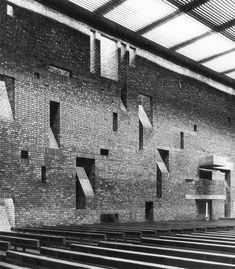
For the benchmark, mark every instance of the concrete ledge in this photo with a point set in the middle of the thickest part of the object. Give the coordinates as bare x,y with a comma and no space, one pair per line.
205,197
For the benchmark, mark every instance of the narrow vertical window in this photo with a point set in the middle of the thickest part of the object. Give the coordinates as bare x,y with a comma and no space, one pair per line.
43,174
109,58
141,136
115,122
195,128
94,53
182,140
159,183
124,94
55,120
132,57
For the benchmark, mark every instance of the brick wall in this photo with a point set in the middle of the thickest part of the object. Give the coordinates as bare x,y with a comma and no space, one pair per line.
125,179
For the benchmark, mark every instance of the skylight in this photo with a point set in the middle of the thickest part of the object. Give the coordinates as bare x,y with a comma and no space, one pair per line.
222,63
232,74
183,2
176,30
91,5
136,14
207,46
217,11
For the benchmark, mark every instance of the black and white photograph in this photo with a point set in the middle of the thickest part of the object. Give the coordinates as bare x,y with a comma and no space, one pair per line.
117,134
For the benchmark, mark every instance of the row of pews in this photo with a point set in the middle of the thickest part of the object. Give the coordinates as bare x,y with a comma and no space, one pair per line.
118,246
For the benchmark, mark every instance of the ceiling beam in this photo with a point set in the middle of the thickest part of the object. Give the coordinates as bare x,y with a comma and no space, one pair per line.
181,9
216,56
216,29
228,71
107,7
120,32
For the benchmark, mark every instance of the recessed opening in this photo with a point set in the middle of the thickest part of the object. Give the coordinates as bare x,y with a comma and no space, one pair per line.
132,57
115,122
108,58
124,94
229,120
109,218
104,152
7,99
165,157
159,183
36,75
24,154
204,209
10,11
94,54
195,128
205,174
55,120
60,71
182,140
149,211
43,174
141,136
147,103
89,167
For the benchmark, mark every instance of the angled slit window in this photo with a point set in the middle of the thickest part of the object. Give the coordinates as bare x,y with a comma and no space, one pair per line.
145,110
54,124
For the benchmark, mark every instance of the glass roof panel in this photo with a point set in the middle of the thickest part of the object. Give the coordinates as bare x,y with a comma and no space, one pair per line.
231,31
231,75
222,63
136,14
207,46
183,2
176,30
217,11
91,5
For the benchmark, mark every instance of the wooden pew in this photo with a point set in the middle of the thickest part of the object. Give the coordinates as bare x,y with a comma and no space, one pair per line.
21,242
167,250
108,262
218,235
205,236
44,239
98,255
188,244
37,261
5,245
194,239
69,235
112,233
5,265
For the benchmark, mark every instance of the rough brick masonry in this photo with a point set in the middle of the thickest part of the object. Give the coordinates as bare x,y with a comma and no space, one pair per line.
126,179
